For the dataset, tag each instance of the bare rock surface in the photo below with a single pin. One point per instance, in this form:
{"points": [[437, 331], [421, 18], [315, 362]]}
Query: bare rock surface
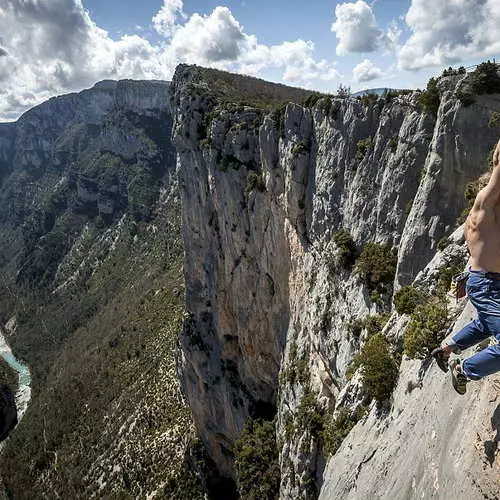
{"points": [[264, 194]]}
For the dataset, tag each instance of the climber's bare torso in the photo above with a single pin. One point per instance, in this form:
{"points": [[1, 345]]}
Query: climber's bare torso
{"points": [[482, 227]]}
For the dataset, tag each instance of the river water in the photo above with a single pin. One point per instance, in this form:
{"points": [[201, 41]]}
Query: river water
{"points": [[23, 394]]}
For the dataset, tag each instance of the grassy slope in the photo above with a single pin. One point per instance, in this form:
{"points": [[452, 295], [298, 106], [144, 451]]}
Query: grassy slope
{"points": [[110, 419]]}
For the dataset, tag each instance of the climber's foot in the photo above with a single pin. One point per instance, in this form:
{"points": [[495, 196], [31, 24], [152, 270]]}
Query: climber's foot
{"points": [[441, 357], [458, 378]]}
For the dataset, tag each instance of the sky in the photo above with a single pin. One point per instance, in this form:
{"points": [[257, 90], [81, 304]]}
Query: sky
{"points": [[51, 47]]}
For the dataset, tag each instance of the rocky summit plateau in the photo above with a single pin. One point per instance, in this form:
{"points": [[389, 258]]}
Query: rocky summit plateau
{"points": [[228, 288]]}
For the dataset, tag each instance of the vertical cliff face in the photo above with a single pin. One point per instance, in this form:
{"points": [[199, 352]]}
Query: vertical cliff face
{"points": [[236, 268], [264, 195]]}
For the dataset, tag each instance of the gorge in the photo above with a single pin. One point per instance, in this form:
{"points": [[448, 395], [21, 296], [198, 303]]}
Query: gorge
{"points": [[274, 228]]}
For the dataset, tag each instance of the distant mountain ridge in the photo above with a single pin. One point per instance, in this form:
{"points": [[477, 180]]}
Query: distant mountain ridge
{"points": [[378, 91]]}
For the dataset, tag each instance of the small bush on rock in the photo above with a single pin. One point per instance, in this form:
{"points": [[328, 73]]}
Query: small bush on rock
{"points": [[255, 182], [346, 245], [362, 148], [256, 461], [443, 243], [338, 427], [426, 329], [379, 368], [376, 264], [494, 120], [430, 99], [484, 80], [373, 325], [445, 275], [407, 299], [300, 148], [309, 415]]}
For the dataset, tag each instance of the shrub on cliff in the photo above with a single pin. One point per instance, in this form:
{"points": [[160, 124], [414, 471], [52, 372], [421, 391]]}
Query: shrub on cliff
{"points": [[376, 264], [309, 415], [255, 182], [344, 241], [484, 80], [372, 323], [256, 461], [379, 368], [426, 329], [429, 99], [300, 148], [407, 299], [445, 274], [338, 427], [362, 148]]}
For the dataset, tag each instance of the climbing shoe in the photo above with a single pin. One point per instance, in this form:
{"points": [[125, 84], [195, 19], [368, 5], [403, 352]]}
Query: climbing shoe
{"points": [[441, 358], [458, 378]]}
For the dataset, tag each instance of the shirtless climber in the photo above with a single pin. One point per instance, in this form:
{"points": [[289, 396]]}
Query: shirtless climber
{"points": [[482, 233]]}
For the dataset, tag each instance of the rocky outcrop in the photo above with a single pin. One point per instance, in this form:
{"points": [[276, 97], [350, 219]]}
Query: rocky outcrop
{"points": [[8, 411], [267, 292], [451, 442]]}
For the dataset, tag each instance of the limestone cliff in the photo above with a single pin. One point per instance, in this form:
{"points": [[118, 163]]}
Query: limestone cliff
{"points": [[271, 302]]}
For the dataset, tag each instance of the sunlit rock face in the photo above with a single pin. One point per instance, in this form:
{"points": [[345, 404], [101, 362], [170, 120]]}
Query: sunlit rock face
{"points": [[270, 303]]}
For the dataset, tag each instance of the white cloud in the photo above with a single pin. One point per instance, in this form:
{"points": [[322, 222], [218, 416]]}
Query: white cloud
{"points": [[48, 47], [296, 59], [356, 28], [213, 38], [446, 32], [164, 21], [366, 71]]}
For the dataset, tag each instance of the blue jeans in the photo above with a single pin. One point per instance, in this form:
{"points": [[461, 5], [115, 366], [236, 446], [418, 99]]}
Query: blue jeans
{"points": [[483, 289]]}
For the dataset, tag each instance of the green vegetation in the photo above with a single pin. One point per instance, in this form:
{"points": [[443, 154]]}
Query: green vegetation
{"points": [[484, 80], [362, 148], [300, 148], [297, 369], [344, 241], [379, 368], [256, 461], [494, 120], [426, 329], [224, 87], [407, 299], [255, 182], [393, 143], [313, 99], [453, 72], [373, 325], [338, 427], [343, 91], [443, 243], [389, 95], [445, 275], [368, 99], [376, 265], [430, 99], [278, 117], [309, 416]]}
